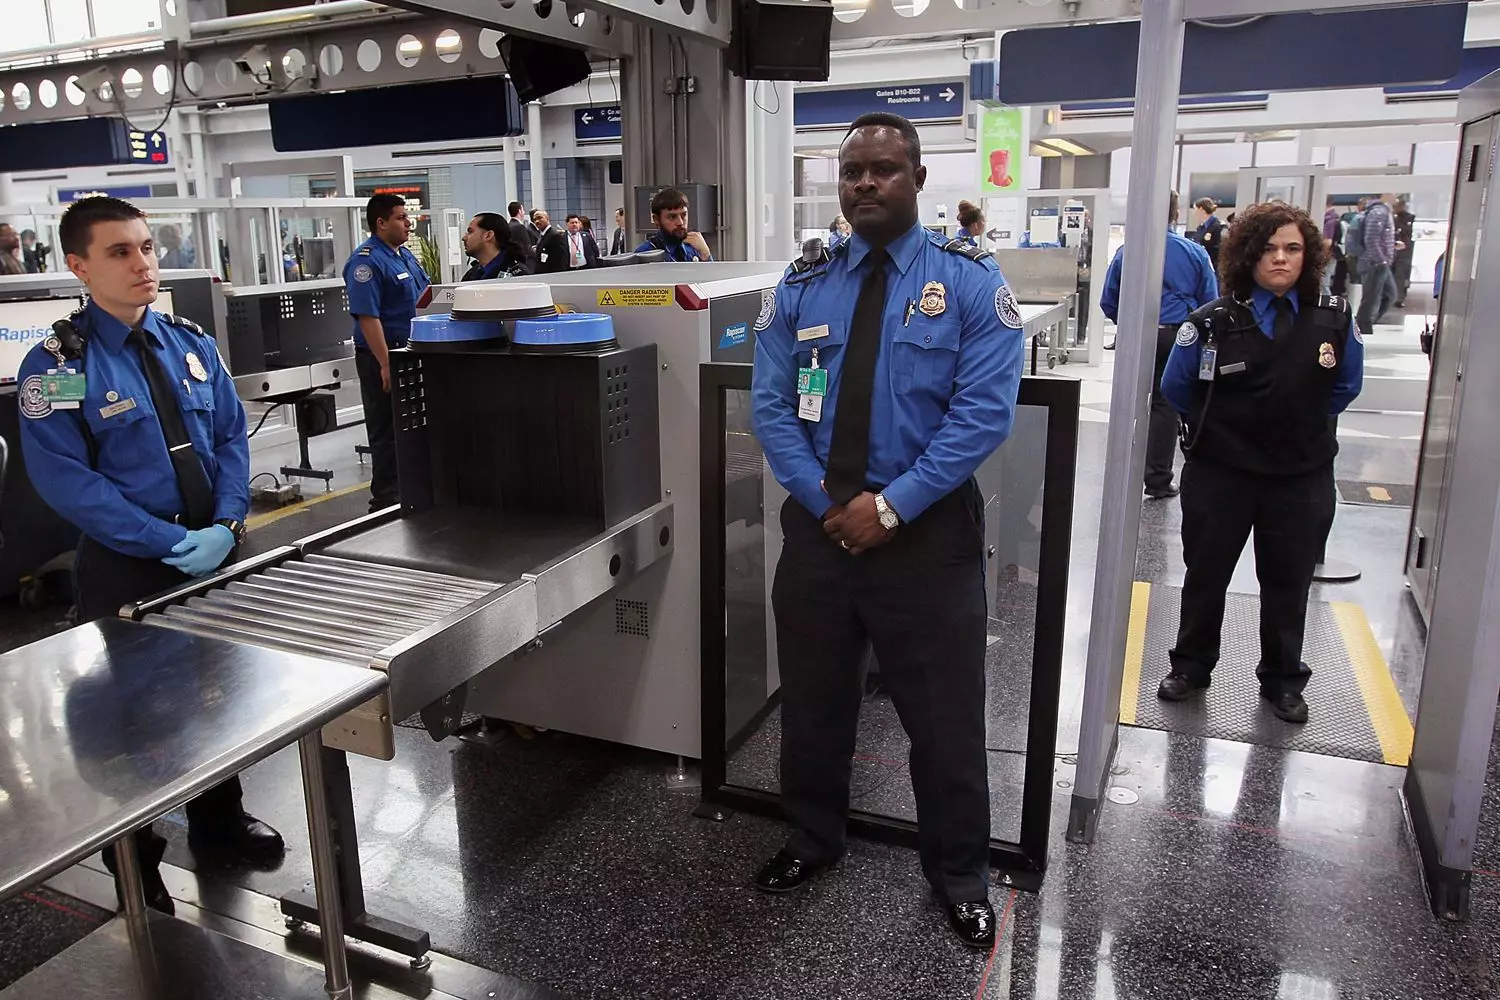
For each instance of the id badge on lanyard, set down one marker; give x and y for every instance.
(812, 386)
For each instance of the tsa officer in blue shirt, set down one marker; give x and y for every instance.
(495, 248)
(1187, 282)
(384, 282)
(669, 210)
(885, 373)
(1258, 376)
(132, 432)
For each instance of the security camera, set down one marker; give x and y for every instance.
(95, 78)
(255, 63)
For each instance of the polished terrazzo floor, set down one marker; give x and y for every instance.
(1223, 870)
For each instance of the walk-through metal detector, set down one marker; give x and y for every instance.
(1453, 553)
(1158, 87)
(1303, 186)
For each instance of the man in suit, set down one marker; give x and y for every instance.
(521, 230)
(583, 251)
(551, 244)
(617, 241)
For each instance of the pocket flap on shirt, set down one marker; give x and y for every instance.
(930, 334)
(103, 416)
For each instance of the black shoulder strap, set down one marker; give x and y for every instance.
(965, 249)
(71, 344)
(806, 269)
(656, 241)
(183, 323)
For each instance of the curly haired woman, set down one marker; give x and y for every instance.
(1258, 375)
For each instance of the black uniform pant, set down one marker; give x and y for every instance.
(919, 601)
(1289, 516)
(380, 428)
(1161, 435)
(105, 581)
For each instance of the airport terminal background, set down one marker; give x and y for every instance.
(1230, 856)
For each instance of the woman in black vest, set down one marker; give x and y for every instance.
(1257, 375)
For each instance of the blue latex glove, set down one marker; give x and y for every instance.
(202, 551)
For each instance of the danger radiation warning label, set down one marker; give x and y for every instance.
(635, 296)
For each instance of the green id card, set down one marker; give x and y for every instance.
(812, 381)
(64, 388)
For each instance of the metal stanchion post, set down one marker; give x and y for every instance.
(133, 894)
(325, 873)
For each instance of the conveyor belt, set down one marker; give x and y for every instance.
(328, 605)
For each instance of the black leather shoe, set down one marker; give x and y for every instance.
(245, 840)
(1288, 706)
(1178, 687)
(974, 923)
(155, 890)
(783, 873)
(1163, 493)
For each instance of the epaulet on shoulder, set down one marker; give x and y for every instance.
(969, 250)
(363, 251)
(182, 322)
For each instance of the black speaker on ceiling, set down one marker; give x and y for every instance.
(541, 68)
(781, 39)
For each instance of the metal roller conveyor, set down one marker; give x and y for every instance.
(353, 595)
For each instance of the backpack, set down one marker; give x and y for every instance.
(1354, 236)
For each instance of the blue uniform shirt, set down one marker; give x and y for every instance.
(945, 380)
(1187, 281)
(1179, 381)
(482, 272)
(676, 249)
(385, 283)
(128, 498)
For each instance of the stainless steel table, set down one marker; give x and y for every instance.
(107, 726)
(1037, 317)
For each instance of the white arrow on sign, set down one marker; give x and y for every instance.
(947, 94)
(156, 138)
(586, 118)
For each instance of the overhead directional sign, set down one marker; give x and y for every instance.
(148, 147)
(602, 124)
(920, 102)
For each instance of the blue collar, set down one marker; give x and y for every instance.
(903, 251)
(105, 329)
(1263, 300)
(376, 243)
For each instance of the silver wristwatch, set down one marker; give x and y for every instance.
(888, 517)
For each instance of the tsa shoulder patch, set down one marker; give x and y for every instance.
(1187, 335)
(363, 272)
(767, 309)
(1006, 307)
(34, 403)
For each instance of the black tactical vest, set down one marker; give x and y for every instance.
(1266, 411)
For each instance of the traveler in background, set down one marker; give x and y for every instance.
(1406, 224)
(1336, 271)
(617, 241)
(1187, 282)
(10, 251)
(971, 224)
(1354, 246)
(838, 232)
(173, 254)
(33, 254)
(1210, 231)
(551, 244)
(582, 250)
(1375, 260)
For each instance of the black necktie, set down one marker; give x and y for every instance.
(192, 481)
(1284, 318)
(849, 454)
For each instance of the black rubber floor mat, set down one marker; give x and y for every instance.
(39, 924)
(1376, 494)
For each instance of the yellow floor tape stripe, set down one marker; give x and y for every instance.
(1382, 700)
(271, 517)
(1135, 651)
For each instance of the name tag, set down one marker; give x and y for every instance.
(813, 333)
(403, 276)
(115, 409)
(1238, 366)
